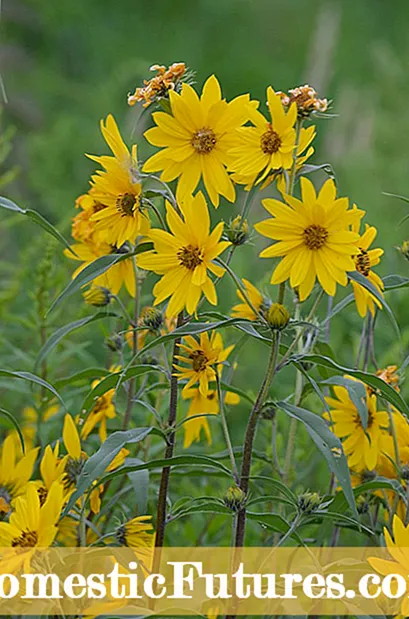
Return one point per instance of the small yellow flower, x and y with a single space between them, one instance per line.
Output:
83 229
103 410
243 310
184 256
117 188
365 259
268 145
97 296
136 533
313 238
363 447
237 232
195 140
201 357
201 405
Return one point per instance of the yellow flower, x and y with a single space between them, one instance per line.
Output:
201 357
117 188
398 549
52 468
136 533
266 146
313 237
200 405
115 277
31 525
184 257
363 447
243 310
364 261
76 457
14 473
83 229
103 410
195 140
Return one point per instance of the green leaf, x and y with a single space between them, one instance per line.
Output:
97 464
32 378
80 376
93 270
277 485
140 484
16 426
392 396
394 282
38 219
339 519
274 522
56 337
329 445
268 498
338 308
111 382
201 461
357 393
325 167
237 391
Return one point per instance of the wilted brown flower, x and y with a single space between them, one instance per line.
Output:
306 99
165 79
390 376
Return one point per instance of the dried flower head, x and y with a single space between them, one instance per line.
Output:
156 88
390 376
306 99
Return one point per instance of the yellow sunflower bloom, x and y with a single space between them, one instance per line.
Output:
31 525
184 257
117 189
398 549
115 277
136 533
268 145
201 357
83 229
306 137
243 310
313 237
363 447
195 140
364 261
200 405
15 472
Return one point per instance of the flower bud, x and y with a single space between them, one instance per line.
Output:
114 342
97 296
404 249
151 318
405 472
237 231
234 498
309 502
362 505
277 316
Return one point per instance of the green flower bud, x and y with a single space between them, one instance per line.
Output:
277 316
237 231
235 498
404 249
151 318
309 502
114 342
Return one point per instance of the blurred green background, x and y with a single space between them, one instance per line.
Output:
66 65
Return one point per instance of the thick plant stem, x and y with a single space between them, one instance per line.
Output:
164 481
250 433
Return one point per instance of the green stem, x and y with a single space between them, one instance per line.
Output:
226 429
291 530
132 382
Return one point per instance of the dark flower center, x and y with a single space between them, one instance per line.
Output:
199 360
270 141
190 257
204 141
27 539
126 204
315 236
363 262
